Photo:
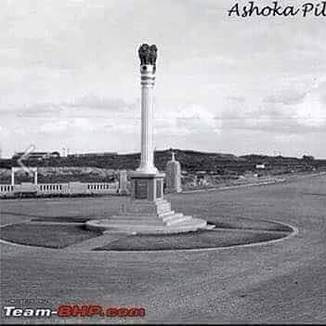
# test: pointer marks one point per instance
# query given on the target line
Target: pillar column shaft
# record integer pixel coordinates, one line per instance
(147, 156)
(147, 127)
(12, 177)
(35, 177)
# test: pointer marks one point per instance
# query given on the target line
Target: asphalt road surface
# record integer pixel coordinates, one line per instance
(281, 282)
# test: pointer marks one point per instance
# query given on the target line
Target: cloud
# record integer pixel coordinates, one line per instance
(61, 61)
(286, 112)
(185, 120)
(54, 127)
(89, 105)
(93, 101)
(311, 112)
(72, 125)
(286, 97)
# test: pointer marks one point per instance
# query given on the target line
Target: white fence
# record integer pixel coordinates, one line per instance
(103, 187)
(52, 188)
(71, 188)
(6, 189)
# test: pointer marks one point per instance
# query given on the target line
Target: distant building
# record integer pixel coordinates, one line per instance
(308, 158)
(260, 166)
(36, 155)
(90, 155)
(201, 172)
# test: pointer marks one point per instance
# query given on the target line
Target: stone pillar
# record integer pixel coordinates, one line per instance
(147, 211)
(12, 176)
(146, 181)
(35, 176)
(147, 84)
(123, 182)
(173, 175)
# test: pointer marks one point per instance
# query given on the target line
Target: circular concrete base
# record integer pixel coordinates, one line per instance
(74, 237)
(192, 224)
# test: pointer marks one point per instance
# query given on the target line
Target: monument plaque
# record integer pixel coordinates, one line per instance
(158, 188)
(140, 189)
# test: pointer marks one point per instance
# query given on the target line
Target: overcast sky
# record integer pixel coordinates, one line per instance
(69, 77)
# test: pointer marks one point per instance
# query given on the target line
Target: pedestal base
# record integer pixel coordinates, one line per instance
(147, 211)
(147, 217)
(147, 186)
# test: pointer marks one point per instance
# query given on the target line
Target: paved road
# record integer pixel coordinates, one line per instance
(271, 283)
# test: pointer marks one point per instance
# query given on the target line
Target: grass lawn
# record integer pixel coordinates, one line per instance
(250, 224)
(65, 219)
(191, 240)
(49, 236)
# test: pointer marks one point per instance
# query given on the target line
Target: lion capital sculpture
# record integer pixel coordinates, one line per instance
(148, 54)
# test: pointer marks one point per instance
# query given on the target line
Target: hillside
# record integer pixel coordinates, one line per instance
(190, 161)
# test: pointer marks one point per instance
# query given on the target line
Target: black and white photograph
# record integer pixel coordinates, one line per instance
(162, 162)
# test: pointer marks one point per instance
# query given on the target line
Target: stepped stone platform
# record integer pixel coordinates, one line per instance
(149, 217)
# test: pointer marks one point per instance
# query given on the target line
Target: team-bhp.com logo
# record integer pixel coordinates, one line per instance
(75, 311)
